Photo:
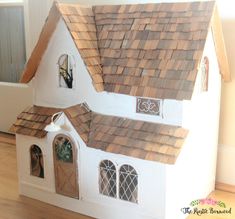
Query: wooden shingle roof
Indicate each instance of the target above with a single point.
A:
(80, 117)
(139, 139)
(33, 120)
(149, 50)
(152, 50)
(144, 140)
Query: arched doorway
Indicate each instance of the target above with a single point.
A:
(65, 166)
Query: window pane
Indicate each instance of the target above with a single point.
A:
(128, 183)
(107, 179)
(37, 166)
(63, 149)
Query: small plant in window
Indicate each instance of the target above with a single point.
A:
(37, 167)
(63, 149)
(205, 73)
(65, 71)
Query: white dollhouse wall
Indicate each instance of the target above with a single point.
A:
(162, 189)
(193, 175)
(48, 93)
(151, 181)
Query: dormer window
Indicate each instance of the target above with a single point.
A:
(66, 68)
(205, 74)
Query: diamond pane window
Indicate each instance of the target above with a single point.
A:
(36, 157)
(128, 183)
(63, 149)
(107, 179)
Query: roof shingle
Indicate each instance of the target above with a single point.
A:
(139, 139)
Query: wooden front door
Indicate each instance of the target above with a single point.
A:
(65, 166)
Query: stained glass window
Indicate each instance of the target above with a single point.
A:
(63, 149)
(37, 165)
(107, 180)
(128, 183)
(65, 71)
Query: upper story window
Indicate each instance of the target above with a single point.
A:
(205, 74)
(66, 71)
(36, 160)
(127, 181)
(148, 106)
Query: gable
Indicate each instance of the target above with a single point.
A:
(149, 50)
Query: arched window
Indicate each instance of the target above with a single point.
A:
(37, 165)
(205, 73)
(128, 183)
(66, 67)
(107, 179)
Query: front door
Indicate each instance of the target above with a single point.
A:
(65, 166)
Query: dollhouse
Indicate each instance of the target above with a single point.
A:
(126, 109)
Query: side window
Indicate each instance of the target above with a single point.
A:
(205, 73)
(66, 68)
(36, 160)
(107, 179)
(128, 183)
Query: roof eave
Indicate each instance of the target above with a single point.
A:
(41, 46)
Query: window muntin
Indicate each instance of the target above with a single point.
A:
(36, 161)
(107, 179)
(128, 183)
(126, 179)
(65, 71)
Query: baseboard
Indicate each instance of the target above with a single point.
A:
(225, 187)
(7, 138)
